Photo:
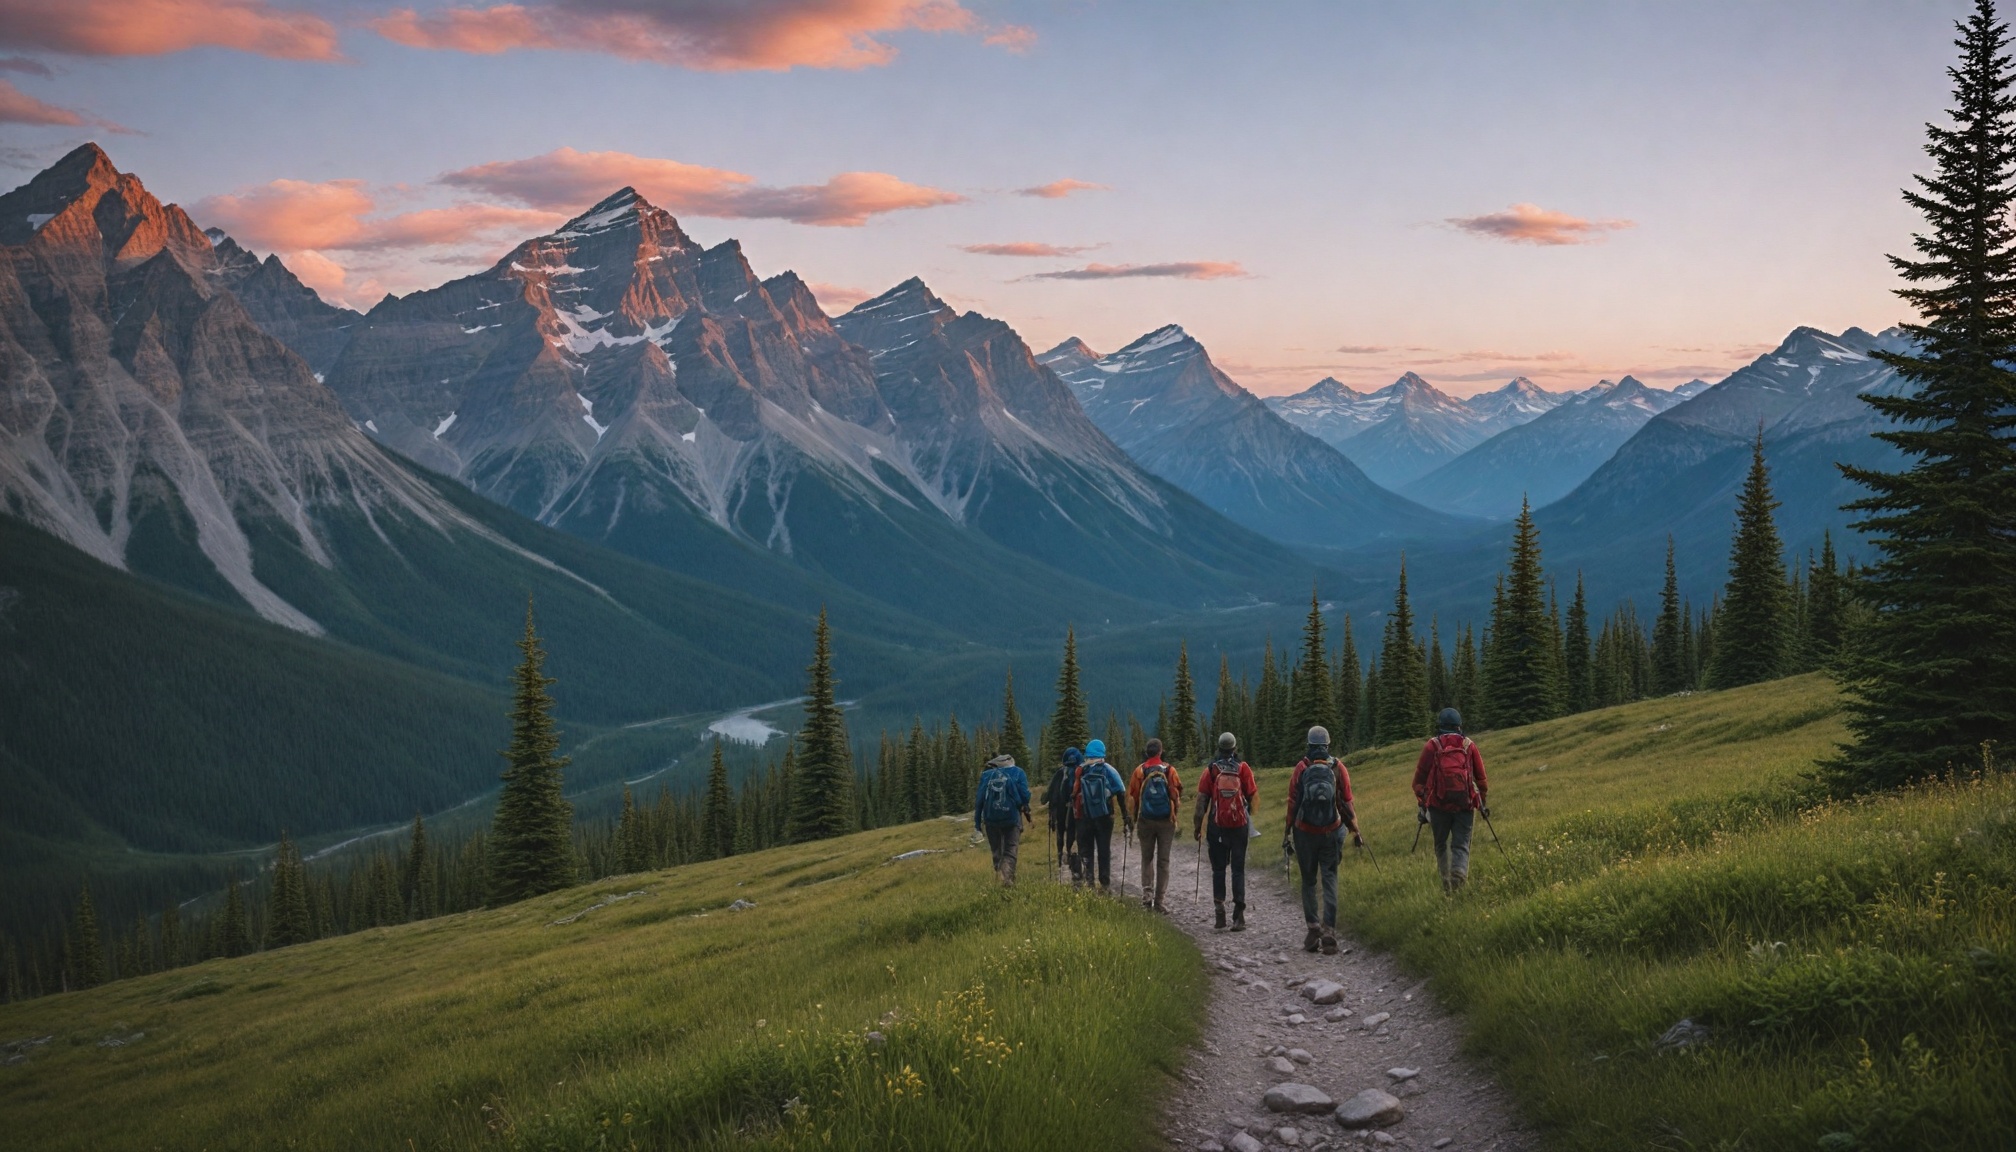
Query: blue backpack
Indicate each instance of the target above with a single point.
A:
(996, 805)
(1155, 794)
(1094, 789)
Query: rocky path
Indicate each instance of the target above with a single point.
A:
(1337, 1024)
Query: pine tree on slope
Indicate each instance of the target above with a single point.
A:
(87, 944)
(1071, 719)
(1403, 691)
(1752, 633)
(822, 801)
(1577, 685)
(717, 822)
(289, 922)
(1013, 742)
(1824, 610)
(531, 846)
(1931, 675)
(1350, 692)
(1521, 679)
(1310, 689)
(1178, 734)
(1669, 657)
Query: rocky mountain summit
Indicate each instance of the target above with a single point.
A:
(1410, 427)
(281, 304)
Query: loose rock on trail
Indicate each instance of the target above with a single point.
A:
(1309, 1029)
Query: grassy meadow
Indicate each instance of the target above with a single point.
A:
(1855, 962)
(1034, 1019)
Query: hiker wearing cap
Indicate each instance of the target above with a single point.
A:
(1225, 799)
(1319, 813)
(1094, 798)
(1450, 789)
(1000, 807)
(1155, 793)
(1057, 802)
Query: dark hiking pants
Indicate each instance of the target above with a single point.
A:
(1095, 843)
(1452, 843)
(1004, 840)
(1228, 851)
(1317, 854)
(1067, 843)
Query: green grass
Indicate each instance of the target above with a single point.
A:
(1033, 1019)
(1668, 859)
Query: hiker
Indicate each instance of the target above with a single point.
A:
(1057, 801)
(1319, 812)
(1000, 808)
(1155, 793)
(1450, 789)
(1093, 800)
(1225, 797)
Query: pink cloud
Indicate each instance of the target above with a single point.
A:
(569, 180)
(336, 215)
(156, 27)
(1180, 270)
(712, 35)
(1363, 349)
(17, 107)
(1058, 189)
(24, 64)
(1532, 224)
(837, 297)
(1026, 248)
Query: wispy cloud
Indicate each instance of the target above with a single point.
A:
(18, 107)
(1363, 349)
(25, 64)
(157, 27)
(1492, 356)
(1532, 224)
(1058, 189)
(710, 35)
(1179, 270)
(1027, 248)
(837, 297)
(569, 180)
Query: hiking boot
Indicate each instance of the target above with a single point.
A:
(1313, 940)
(1457, 880)
(1329, 941)
(1220, 925)
(1238, 917)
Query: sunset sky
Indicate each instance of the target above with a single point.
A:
(1474, 191)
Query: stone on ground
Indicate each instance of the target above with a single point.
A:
(1292, 1097)
(1241, 1142)
(1403, 1073)
(1324, 991)
(1280, 1066)
(1300, 1056)
(1376, 1019)
(1371, 1108)
(1336, 1014)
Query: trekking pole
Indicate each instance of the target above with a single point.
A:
(1417, 838)
(1367, 849)
(1197, 872)
(1494, 834)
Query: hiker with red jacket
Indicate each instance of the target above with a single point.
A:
(1155, 793)
(1225, 796)
(1450, 788)
(1319, 813)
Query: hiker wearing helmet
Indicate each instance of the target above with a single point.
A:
(1000, 808)
(1319, 813)
(1450, 789)
(1057, 802)
(1097, 793)
(1155, 793)
(1225, 797)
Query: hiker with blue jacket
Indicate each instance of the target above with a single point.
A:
(1057, 803)
(1094, 798)
(1000, 807)
(1319, 812)
(1155, 792)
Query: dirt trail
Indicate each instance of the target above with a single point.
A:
(1451, 1104)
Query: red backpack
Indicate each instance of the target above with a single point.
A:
(1228, 796)
(1451, 783)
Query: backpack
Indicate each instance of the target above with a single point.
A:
(1094, 790)
(1318, 807)
(997, 806)
(1228, 796)
(1155, 803)
(1451, 784)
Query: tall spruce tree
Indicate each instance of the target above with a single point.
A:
(1464, 674)
(1013, 742)
(632, 852)
(1071, 719)
(1931, 672)
(1181, 732)
(1824, 613)
(1669, 656)
(1403, 668)
(531, 845)
(417, 857)
(1350, 691)
(1753, 633)
(87, 944)
(822, 799)
(1521, 679)
(1577, 686)
(1439, 693)
(1311, 703)
(288, 921)
(1224, 709)
(236, 930)
(717, 823)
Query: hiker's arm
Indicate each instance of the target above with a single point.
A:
(1483, 785)
(1421, 764)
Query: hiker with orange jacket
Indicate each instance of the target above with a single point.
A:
(1450, 789)
(1319, 813)
(1225, 796)
(1155, 793)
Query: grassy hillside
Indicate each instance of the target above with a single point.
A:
(1034, 1019)
(1855, 962)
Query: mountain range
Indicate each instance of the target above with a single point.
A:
(1168, 406)
(1410, 427)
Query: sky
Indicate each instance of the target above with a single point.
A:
(1470, 191)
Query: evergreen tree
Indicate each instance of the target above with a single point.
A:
(1224, 709)
(1439, 693)
(1071, 718)
(1669, 657)
(632, 853)
(1464, 675)
(1521, 679)
(1756, 609)
(290, 922)
(1403, 691)
(957, 775)
(236, 923)
(1116, 740)
(1368, 729)
(920, 799)
(1825, 608)
(412, 874)
(822, 802)
(1350, 691)
(174, 949)
(717, 837)
(1180, 733)
(1931, 676)
(531, 847)
(1013, 742)
(1311, 703)
(87, 944)
(1576, 684)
